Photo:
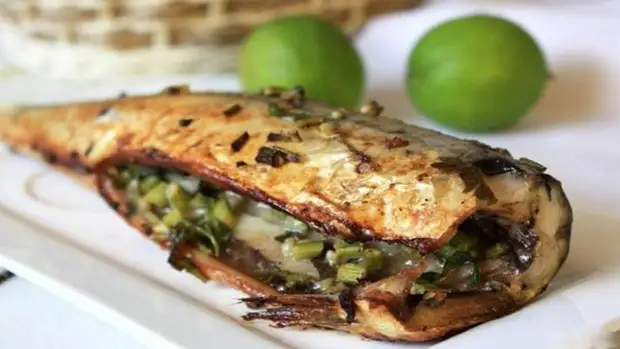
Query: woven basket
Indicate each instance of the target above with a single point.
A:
(108, 38)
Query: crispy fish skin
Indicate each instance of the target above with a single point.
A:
(363, 178)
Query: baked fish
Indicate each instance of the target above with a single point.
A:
(325, 218)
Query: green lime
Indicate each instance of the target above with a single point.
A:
(476, 73)
(307, 51)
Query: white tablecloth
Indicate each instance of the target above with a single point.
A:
(33, 318)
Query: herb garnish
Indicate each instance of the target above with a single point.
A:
(274, 110)
(185, 122)
(276, 157)
(238, 143)
(284, 137)
(176, 90)
(232, 110)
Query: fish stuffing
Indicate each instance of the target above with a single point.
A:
(325, 218)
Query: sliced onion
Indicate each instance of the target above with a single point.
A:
(261, 235)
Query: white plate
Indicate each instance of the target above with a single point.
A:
(48, 235)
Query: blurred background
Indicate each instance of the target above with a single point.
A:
(78, 39)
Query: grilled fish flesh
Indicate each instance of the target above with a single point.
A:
(325, 218)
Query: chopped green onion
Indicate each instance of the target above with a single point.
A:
(458, 258)
(189, 183)
(430, 277)
(151, 217)
(294, 280)
(306, 249)
(446, 252)
(173, 218)
(223, 212)
(351, 273)
(463, 242)
(115, 176)
(349, 252)
(160, 231)
(201, 201)
(496, 250)
(329, 285)
(206, 231)
(202, 206)
(475, 277)
(127, 175)
(148, 183)
(332, 258)
(417, 288)
(293, 224)
(133, 193)
(157, 195)
(287, 246)
(373, 259)
(287, 234)
(177, 197)
(141, 170)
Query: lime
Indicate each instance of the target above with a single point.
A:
(476, 73)
(306, 51)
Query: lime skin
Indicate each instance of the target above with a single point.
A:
(477, 73)
(302, 50)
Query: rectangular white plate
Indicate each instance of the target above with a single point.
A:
(63, 237)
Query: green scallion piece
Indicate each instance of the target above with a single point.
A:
(329, 285)
(351, 273)
(160, 232)
(373, 259)
(148, 183)
(458, 258)
(141, 170)
(151, 218)
(127, 175)
(332, 258)
(475, 277)
(294, 280)
(133, 192)
(223, 212)
(349, 252)
(463, 242)
(115, 177)
(157, 195)
(306, 249)
(206, 231)
(287, 246)
(446, 251)
(417, 288)
(496, 250)
(177, 197)
(202, 206)
(172, 218)
(292, 224)
(201, 201)
(189, 183)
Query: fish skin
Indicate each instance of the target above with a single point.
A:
(387, 202)
(371, 178)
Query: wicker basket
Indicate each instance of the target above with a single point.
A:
(107, 38)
